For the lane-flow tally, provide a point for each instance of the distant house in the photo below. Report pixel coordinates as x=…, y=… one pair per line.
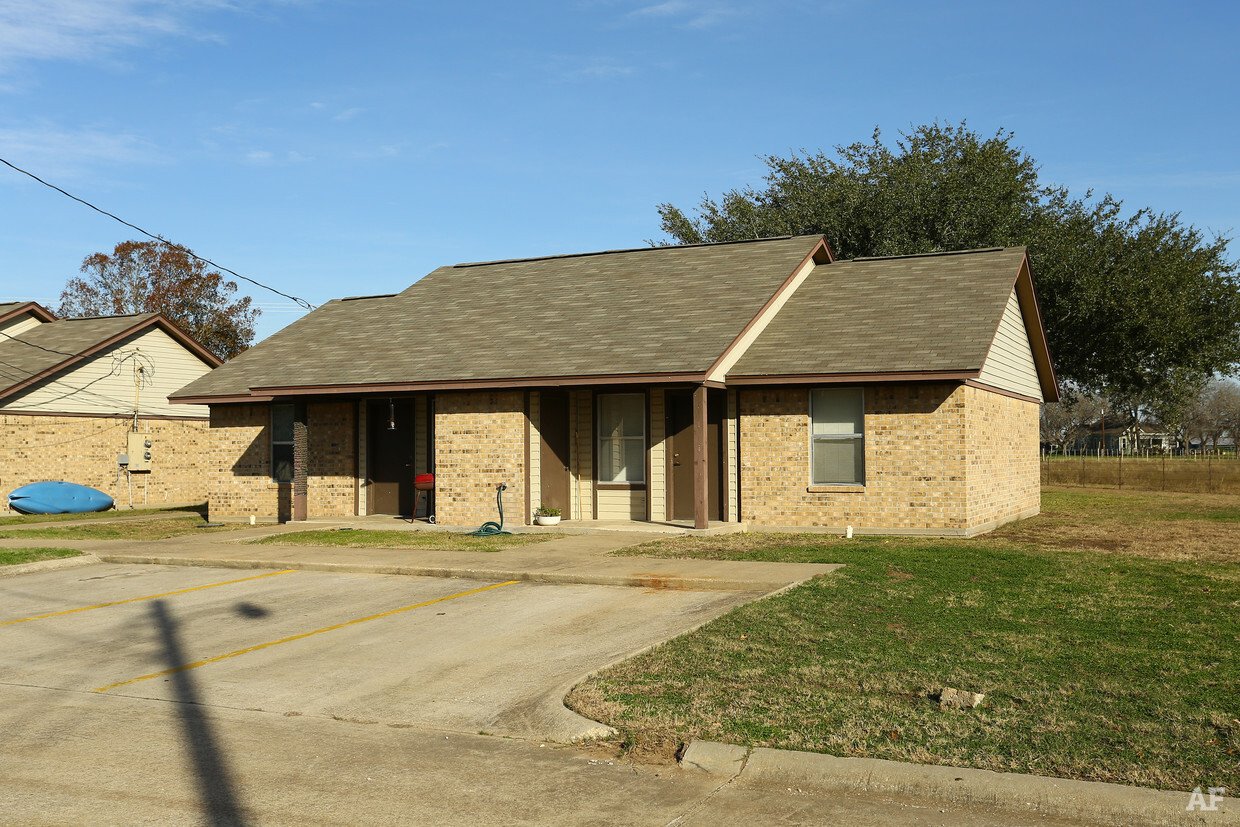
x=762, y=383
x=79, y=395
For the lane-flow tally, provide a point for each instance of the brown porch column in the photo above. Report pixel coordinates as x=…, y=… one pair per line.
x=701, y=495
x=301, y=461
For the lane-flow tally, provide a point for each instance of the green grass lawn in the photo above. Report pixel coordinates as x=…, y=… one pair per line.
x=121, y=530
x=14, y=556
x=112, y=514
x=1098, y=664
x=382, y=538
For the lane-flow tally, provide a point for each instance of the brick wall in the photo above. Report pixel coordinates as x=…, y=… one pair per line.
x=333, y=452
x=240, y=473
x=938, y=458
x=1002, y=469
x=479, y=442
x=83, y=449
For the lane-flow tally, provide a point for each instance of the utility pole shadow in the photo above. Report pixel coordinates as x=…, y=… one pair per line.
x=211, y=772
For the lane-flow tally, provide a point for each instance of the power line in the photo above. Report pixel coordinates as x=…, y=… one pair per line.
x=300, y=301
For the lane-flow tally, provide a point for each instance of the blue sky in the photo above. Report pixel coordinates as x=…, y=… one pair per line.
x=342, y=148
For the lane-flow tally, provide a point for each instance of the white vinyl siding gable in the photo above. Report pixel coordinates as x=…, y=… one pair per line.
x=1009, y=365
x=99, y=386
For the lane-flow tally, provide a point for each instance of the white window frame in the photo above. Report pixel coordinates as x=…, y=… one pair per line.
x=640, y=480
x=858, y=438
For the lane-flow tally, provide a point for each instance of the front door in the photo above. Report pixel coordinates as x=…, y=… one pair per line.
x=389, y=463
x=681, y=451
x=553, y=458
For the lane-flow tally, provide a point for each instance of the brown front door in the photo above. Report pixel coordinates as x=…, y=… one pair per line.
x=389, y=463
x=553, y=460
x=681, y=450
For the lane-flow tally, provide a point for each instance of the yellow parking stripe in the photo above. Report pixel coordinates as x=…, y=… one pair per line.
x=144, y=597
x=302, y=636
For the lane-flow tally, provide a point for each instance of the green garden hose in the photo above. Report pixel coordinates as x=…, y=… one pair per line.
x=490, y=528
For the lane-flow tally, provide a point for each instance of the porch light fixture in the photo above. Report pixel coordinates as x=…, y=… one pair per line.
x=391, y=415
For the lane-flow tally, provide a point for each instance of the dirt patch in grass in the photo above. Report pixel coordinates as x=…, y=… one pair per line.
x=112, y=514
x=119, y=530
x=378, y=538
x=16, y=556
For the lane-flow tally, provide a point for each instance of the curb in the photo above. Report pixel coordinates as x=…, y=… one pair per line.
x=49, y=565
x=1098, y=802
x=639, y=580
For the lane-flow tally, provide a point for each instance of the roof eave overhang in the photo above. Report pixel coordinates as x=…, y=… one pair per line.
x=1031, y=313
x=855, y=378
x=34, y=308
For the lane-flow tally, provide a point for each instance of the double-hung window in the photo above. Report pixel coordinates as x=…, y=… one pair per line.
x=837, y=436
x=282, y=443
x=622, y=438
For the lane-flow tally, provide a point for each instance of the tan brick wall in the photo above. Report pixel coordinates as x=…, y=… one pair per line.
x=83, y=449
x=479, y=442
x=241, y=484
x=333, y=449
x=240, y=473
x=914, y=461
x=938, y=457
x=1002, y=466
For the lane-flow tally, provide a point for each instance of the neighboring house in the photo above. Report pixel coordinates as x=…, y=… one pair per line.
x=73, y=390
x=757, y=382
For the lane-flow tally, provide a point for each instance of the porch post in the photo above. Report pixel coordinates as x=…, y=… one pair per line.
x=701, y=497
x=301, y=451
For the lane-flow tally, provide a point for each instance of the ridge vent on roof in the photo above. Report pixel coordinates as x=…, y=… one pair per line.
x=626, y=250
x=928, y=255
x=375, y=296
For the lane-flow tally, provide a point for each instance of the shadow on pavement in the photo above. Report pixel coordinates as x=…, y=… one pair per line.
x=211, y=771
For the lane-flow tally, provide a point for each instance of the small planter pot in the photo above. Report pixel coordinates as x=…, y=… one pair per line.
x=542, y=519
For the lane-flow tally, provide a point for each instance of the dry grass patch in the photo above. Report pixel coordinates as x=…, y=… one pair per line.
x=119, y=530
x=380, y=538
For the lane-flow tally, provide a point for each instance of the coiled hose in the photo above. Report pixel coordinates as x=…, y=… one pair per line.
x=490, y=528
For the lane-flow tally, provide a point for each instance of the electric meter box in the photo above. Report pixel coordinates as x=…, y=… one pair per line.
x=139, y=452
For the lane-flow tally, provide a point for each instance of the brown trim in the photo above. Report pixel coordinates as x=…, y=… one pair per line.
x=701, y=459
x=529, y=474
x=157, y=320
x=34, y=308
x=820, y=254
x=1031, y=313
x=161, y=417
x=619, y=486
x=973, y=383
x=854, y=378
x=593, y=454
x=218, y=400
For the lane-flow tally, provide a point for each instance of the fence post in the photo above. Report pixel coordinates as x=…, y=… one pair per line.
x=1121, y=470
x=1164, y=471
x=1082, y=466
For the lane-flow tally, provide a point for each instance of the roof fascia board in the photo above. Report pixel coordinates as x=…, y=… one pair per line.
x=820, y=254
x=973, y=383
x=157, y=320
x=1031, y=312
x=484, y=384
x=34, y=308
x=846, y=378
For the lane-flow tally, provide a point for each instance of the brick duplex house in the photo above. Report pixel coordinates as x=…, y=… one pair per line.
x=757, y=382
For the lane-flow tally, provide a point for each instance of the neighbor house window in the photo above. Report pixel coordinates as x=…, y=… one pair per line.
x=837, y=436
x=622, y=437
x=282, y=443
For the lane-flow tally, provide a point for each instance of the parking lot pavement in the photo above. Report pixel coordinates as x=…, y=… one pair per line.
x=452, y=654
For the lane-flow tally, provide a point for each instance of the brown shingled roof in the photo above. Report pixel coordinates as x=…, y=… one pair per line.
x=926, y=313
x=659, y=310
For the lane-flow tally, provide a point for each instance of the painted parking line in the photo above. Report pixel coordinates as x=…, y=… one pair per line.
x=144, y=597
x=302, y=636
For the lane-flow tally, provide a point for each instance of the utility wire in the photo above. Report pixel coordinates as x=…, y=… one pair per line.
x=300, y=302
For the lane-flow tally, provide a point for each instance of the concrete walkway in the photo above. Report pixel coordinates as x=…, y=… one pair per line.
x=575, y=558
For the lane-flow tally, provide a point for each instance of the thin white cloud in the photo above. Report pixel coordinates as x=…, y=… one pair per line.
x=46, y=149
x=348, y=114
x=692, y=14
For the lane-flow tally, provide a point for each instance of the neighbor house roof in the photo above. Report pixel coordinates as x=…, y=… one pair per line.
x=11, y=309
x=748, y=312
x=55, y=346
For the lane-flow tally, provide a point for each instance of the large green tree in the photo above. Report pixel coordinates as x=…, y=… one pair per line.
x=151, y=276
x=1139, y=306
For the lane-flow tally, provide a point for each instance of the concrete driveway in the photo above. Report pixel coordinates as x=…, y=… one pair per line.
x=453, y=654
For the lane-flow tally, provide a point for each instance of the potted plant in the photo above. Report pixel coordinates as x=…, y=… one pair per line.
x=546, y=515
